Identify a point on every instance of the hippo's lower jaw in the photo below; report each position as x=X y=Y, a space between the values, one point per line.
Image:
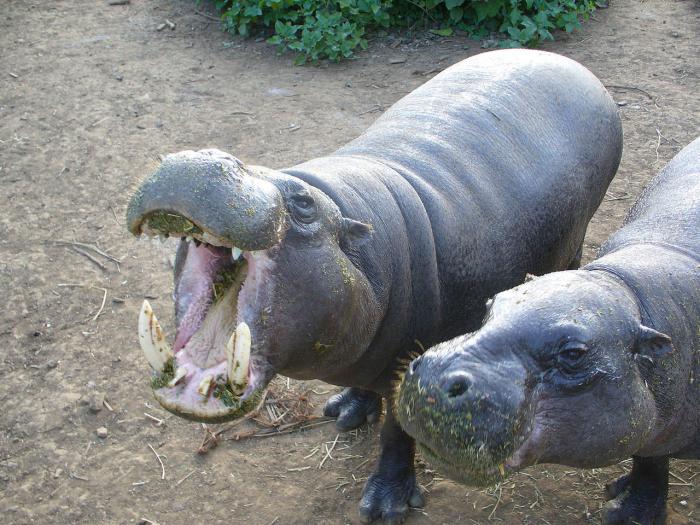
x=465 y=473
x=477 y=468
x=210 y=375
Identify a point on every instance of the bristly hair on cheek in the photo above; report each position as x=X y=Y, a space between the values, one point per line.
x=400 y=368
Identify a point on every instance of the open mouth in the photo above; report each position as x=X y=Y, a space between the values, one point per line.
x=208 y=374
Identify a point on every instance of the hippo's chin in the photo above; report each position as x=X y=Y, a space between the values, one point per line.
x=210 y=375
x=220 y=405
x=472 y=473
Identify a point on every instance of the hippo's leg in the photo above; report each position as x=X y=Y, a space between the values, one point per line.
x=392 y=488
x=352 y=407
x=575 y=263
x=640 y=496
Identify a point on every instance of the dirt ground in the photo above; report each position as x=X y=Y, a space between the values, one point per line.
x=90 y=96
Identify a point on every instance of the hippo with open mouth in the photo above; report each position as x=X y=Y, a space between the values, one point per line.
x=337 y=268
x=583 y=368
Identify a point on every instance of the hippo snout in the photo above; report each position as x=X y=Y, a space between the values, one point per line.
x=210 y=195
x=465 y=413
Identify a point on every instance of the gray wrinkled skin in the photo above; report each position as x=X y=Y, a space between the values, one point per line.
x=489 y=171
x=582 y=368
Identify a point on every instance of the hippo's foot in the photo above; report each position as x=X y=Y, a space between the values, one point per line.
x=387 y=498
x=639 y=498
x=392 y=488
x=352 y=407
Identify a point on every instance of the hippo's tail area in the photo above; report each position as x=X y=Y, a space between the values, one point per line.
x=668 y=210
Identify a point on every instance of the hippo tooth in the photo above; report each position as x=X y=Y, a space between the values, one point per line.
x=236 y=253
x=180 y=374
x=241 y=357
x=211 y=239
x=152 y=339
x=229 y=355
x=205 y=386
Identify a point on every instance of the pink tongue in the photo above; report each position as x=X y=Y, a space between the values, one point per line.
x=193 y=290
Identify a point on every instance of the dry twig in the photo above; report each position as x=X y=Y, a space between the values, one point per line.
x=77 y=285
x=162 y=467
x=159 y=422
x=90 y=257
x=183 y=479
x=328 y=452
x=207 y=15
x=87 y=246
x=629 y=88
x=104 y=299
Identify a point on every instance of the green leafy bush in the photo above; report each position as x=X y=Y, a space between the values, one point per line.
x=333 y=29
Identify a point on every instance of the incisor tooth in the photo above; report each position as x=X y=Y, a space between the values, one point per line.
x=241 y=358
x=205 y=386
x=180 y=374
x=152 y=339
x=236 y=253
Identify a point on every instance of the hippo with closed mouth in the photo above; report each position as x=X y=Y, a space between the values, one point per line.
x=583 y=368
x=336 y=268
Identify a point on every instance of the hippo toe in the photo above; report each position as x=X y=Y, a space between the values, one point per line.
x=353 y=407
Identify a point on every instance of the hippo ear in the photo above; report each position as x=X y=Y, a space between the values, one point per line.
x=355 y=233
x=653 y=344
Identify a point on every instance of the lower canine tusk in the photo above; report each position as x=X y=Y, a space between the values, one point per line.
x=152 y=339
x=238 y=376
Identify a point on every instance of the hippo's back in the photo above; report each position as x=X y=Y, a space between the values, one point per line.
x=668 y=210
x=499 y=128
x=494 y=167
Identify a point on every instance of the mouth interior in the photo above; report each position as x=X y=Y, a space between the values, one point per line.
x=208 y=375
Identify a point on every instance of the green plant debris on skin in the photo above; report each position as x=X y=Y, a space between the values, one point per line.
x=348 y=277
x=225 y=394
x=162 y=379
x=471 y=463
x=321 y=349
x=334 y=29
x=172 y=223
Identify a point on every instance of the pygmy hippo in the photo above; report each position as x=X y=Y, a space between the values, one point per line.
x=583 y=368
x=334 y=268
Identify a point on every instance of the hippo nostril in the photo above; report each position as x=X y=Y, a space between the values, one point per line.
x=413 y=367
x=458 y=388
x=457 y=385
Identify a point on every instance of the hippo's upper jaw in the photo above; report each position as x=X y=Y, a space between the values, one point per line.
x=240 y=290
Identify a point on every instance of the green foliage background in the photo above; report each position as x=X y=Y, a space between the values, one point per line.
x=334 y=29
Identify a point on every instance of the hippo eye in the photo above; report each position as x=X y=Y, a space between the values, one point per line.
x=303 y=208
x=571 y=354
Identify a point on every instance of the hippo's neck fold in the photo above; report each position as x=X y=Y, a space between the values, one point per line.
x=658 y=276
x=399 y=260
